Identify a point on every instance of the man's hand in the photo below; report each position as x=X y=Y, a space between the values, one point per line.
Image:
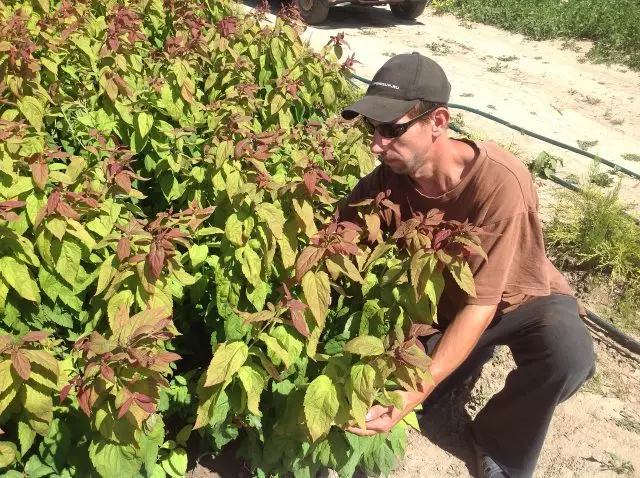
x=381 y=419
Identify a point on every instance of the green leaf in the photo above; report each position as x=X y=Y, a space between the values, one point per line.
x=112 y=460
x=320 y=406
x=411 y=419
x=68 y=260
x=143 y=123
x=463 y=276
x=26 y=436
x=8 y=453
x=36 y=469
x=150 y=444
x=328 y=94
x=198 y=253
x=253 y=382
x=19 y=278
x=176 y=463
x=317 y=293
x=276 y=349
x=226 y=361
x=365 y=345
x=273 y=216
x=233 y=230
x=251 y=265
x=33 y=110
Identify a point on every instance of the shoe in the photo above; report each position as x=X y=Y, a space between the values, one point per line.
x=486 y=467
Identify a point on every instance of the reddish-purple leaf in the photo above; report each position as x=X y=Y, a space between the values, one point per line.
x=124 y=248
x=124 y=181
x=35 y=336
x=300 y=324
x=308 y=258
x=65 y=391
x=125 y=407
x=40 y=173
x=52 y=202
x=67 y=211
x=107 y=372
x=21 y=364
x=155 y=259
x=422 y=330
x=84 y=396
x=167 y=357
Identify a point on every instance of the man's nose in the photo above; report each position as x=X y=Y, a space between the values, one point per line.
x=376 y=143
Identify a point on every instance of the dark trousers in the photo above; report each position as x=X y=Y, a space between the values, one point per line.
x=554 y=355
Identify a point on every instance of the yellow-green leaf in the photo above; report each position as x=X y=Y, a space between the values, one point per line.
x=273 y=217
x=253 y=383
x=317 y=293
x=33 y=110
x=226 y=361
x=365 y=345
x=144 y=123
x=17 y=275
x=320 y=406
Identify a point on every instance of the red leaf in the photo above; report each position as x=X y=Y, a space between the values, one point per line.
x=422 y=330
x=107 y=372
x=308 y=258
x=65 y=391
x=83 y=400
x=125 y=407
x=310 y=179
x=167 y=357
x=124 y=248
x=300 y=324
x=155 y=259
x=67 y=211
x=52 y=202
x=21 y=364
x=35 y=336
x=145 y=402
x=40 y=173
x=124 y=181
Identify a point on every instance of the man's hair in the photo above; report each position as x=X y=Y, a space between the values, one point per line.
x=422 y=107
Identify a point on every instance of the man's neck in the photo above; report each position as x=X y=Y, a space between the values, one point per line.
x=452 y=161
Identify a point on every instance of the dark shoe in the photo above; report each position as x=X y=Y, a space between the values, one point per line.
x=486 y=467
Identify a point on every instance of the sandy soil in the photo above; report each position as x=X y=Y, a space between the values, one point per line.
x=548 y=88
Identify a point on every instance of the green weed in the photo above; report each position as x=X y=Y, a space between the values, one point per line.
x=631 y=157
x=611 y=24
x=507 y=58
x=586 y=144
x=627 y=422
x=615 y=464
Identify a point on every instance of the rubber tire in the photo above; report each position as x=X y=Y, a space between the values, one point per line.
x=316 y=14
x=408 y=10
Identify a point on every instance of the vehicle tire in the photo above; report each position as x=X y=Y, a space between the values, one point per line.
x=313 y=11
x=408 y=10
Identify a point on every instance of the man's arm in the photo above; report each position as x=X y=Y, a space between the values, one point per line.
x=456 y=344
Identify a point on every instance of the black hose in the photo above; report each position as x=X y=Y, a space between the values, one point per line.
x=520 y=129
x=615 y=333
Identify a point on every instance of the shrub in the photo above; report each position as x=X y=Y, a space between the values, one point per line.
x=171 y=271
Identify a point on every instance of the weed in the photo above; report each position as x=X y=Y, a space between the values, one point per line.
x=601 y=179
x=595 y=385
x=627 y=422
x=458 y=120
x=590 y=231
x=389 y=53
x=537 y=58
x=439 y=48
x=466 y=95
x=572 y=91
x=586 y=144
x=570 y=45
x=497 y=68
x=617 y=121
x=507 y=58
x=544 y=165
x=491 y=107
x=591 y=100
x=614 y=463
x=611 y=25
x=572 y=178
x=631 y=157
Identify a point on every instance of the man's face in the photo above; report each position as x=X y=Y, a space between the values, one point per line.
x=406 y=153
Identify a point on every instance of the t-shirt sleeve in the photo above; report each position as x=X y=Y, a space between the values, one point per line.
x=515 y=248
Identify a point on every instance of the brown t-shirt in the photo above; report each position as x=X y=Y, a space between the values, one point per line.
x=499 y=196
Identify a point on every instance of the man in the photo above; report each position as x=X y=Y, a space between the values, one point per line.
x=522 y=300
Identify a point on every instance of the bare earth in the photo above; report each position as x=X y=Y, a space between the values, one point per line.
x=545 y=87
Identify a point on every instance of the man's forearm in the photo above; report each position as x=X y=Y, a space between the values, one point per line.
x=459 y=339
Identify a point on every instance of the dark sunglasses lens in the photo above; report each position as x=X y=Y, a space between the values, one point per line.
x=390 y=130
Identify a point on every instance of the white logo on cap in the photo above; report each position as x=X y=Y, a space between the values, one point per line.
x=380 y=83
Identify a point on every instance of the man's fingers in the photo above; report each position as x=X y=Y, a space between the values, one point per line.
x=361 y=432
x=376 y=412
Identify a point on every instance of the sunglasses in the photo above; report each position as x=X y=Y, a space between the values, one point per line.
x=393 y=130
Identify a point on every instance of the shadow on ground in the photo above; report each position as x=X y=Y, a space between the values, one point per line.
x=350 y=16
x=445 y=424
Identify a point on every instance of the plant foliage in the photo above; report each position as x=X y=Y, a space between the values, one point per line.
x=171 y=271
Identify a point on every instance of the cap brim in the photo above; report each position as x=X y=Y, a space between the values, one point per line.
x=379 y=108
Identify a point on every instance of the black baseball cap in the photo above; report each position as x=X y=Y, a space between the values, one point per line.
x=399 y=85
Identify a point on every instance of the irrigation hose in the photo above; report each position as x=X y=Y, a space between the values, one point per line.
x=527 y=132
x=609 y=329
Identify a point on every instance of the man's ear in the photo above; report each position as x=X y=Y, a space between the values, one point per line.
x=440 y=121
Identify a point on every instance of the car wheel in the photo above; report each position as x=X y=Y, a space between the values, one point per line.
x=408 y=10
x=313 y=11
